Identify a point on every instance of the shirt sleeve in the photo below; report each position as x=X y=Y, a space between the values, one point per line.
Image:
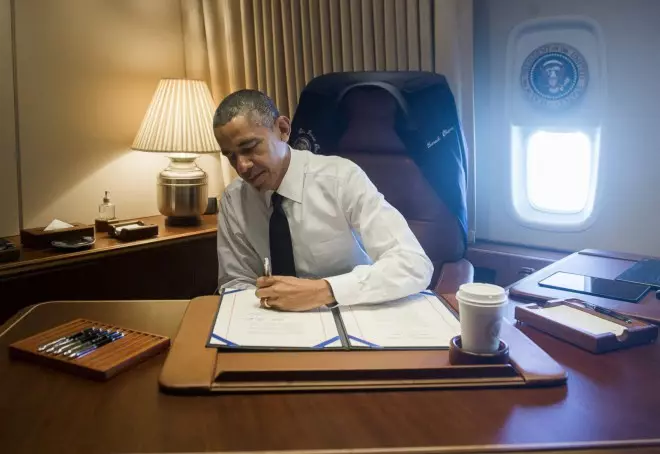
x=237 y=260
x=400 y=266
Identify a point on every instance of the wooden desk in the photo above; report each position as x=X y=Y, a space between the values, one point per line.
x=181 y=262
x=611 y=401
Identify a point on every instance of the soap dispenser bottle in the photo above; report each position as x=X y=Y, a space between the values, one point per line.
x=106 y=209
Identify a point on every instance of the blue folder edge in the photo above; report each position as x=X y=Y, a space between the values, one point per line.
x=212 y=335
x=367 y=343
x=323 y=344
x=228 y=343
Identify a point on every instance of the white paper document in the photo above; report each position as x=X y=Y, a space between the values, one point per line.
x=241 y=322
x=420 y=320
x=578 y=319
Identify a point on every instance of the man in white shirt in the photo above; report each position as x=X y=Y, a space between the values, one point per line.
x=331 y=236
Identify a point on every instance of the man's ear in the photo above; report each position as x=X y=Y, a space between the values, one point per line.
x=283 y=127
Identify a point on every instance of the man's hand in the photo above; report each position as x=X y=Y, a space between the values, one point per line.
x=287 y=293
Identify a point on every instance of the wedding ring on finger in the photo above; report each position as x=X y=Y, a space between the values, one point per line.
x=264 y=302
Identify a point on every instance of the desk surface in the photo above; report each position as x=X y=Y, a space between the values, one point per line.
x=611 y=398
x=39 y=258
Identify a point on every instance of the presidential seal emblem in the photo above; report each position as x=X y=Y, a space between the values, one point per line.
x=306 y=141
x=554 y=76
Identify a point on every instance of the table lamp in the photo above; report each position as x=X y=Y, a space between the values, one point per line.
x=179 y=122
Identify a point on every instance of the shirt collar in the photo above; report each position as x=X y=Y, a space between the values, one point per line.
x=291 y=186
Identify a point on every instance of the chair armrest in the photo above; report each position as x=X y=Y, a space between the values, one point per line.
x=452 y=275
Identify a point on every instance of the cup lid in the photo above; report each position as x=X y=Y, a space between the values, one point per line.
x=482 y=294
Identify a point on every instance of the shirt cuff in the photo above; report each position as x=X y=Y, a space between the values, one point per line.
x=344 y=287
x=237 y=284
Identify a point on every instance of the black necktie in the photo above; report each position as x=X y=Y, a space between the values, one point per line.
x=281 y=248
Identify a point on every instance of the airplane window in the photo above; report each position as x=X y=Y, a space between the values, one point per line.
x=558 y=176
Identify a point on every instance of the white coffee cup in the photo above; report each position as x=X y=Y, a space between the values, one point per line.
x=481 y=310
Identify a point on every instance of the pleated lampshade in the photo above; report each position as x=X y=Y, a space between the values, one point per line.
x=179 y=119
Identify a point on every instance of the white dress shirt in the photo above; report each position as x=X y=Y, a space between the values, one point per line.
x=342 y=229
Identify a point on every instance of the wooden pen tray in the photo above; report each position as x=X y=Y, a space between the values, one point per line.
x=101 y=364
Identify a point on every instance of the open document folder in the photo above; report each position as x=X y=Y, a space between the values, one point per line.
x=419 y=321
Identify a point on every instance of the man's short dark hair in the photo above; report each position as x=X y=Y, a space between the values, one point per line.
x=257 y=106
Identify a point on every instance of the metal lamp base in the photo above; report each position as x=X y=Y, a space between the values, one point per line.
x=182 y=191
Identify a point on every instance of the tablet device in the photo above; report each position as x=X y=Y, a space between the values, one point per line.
x=606 y=288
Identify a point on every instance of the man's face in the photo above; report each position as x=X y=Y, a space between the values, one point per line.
x=258 y=153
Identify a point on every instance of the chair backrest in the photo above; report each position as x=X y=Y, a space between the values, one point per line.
x=402 y=128
x=370 y=139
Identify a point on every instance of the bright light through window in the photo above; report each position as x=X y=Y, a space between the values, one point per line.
x=558 y=171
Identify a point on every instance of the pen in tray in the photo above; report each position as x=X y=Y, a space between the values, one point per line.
x=62 y=343
x=80 y=343
x=60 y=348
x=111 y=337
x=593 y=307
x=79 y=346
x=607 y=312
x=64 y=339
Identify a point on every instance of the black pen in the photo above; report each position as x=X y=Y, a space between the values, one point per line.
x=110 y=338
x=101 y=334
x=62 y=342
x=83 y=347
x=67 y=345
x=63 y=339
x=608 y=312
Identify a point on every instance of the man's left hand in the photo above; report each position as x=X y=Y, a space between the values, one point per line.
x=286 y=293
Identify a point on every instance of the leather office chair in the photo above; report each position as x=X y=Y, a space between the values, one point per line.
x=370 y=123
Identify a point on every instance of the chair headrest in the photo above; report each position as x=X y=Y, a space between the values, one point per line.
x=369 y=104
x=370 y=115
